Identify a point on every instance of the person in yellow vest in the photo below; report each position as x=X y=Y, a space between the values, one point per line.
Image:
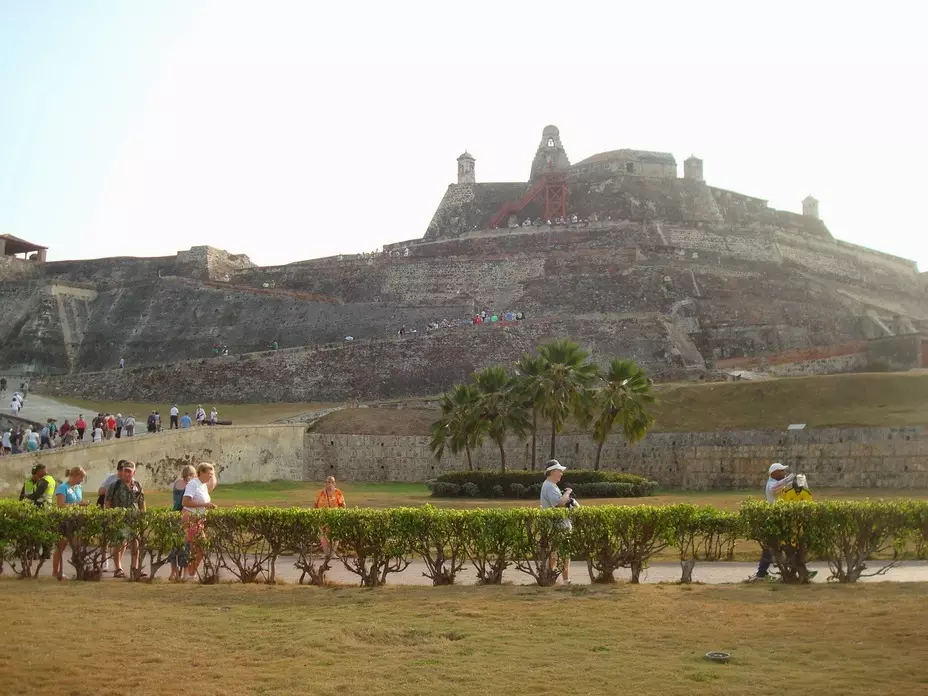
x=780 y=486
x=39 y=488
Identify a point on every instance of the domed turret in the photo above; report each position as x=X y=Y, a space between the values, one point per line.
x=466 y=174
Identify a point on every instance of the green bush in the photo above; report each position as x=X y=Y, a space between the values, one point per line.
x=524 y=484
x=373 y=543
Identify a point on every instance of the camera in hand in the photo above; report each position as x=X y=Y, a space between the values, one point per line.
x=572 y=502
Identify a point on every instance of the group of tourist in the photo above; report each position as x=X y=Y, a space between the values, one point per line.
x=190 y=496
x=102 y=427
x=485 y=316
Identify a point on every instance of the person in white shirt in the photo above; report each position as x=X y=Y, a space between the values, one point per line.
x=201 y=415
x=15 y=406
x=6 y=445
x=98 y=434
x=777 y=481
x=129 y=425
x=174 y=413
x=196 y=502
x=213 y=416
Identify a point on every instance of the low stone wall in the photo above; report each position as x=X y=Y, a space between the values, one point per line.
x=240 y=453
x=832 y=457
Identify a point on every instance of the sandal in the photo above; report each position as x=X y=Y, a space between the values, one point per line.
x=119 y=573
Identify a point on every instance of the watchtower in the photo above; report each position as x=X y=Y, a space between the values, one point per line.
x=692 y=168
x=810 y=207
x=466 y=173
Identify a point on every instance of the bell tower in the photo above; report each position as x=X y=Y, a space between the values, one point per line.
x=550 y=156
x=466 y=173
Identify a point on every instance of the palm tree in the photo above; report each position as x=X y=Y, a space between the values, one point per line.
x=567 y=373
x=459 y=427
x=623 y=399
x=531 y=385
x=501 y=408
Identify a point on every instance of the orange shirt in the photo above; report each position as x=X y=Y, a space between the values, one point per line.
x=335 y=500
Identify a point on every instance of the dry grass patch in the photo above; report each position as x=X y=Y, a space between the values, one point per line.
x=120 y=638
x=822 y=401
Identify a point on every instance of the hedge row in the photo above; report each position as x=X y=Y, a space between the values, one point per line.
x=526 y=484
x=443 y=489
x=372 y=543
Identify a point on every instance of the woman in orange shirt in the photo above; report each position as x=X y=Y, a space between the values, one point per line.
x=330 y=496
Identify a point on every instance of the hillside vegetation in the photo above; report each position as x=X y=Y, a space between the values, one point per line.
x=878 y=399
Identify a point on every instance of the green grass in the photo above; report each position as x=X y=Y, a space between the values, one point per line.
x=240 y=414
x=879 y=399
x=303 y=494
x=114 y=638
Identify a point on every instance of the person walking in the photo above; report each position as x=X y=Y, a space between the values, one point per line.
x=120 y=424
x=180 y=558
x=330 y=496
x=68 y=492
x=39 y=487
x=196 y=502
x=552 y=497
x=126 y=493
x=130 y=425
x=80 y=425
x=778 y=482
x=174 y=413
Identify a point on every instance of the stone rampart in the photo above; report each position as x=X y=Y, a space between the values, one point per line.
x=420 y=365
x=240 y=453
x=831 y=457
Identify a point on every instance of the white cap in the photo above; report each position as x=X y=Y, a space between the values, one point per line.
x=554 y=465
x=777 y=467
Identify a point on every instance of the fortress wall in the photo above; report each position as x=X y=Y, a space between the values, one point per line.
x=16 y=269
x=422 y=365
x=175 y=319
x=831 y=457
x=240 y=453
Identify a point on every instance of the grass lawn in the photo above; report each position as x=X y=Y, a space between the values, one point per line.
x=303 y=493
x=235 y=640
x=878 y=399
x=240 y=414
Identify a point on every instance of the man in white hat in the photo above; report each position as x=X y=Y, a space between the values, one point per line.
x=777 y=481
x=551 y=497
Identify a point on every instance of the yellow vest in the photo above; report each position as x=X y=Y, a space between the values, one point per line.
x=49 y=494
x=792 y=494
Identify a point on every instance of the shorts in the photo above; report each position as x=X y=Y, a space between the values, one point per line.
x=194 y=526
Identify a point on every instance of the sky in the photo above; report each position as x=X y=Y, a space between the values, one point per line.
x=294 y=130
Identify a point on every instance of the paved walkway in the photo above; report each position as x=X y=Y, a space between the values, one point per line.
x=708 y=573
x=41 y=408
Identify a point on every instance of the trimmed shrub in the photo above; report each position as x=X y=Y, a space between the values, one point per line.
x=497 y=491
x=442 y=489
x=517 y=490
x=471 y=490
x=372 y=543
x=486 y=480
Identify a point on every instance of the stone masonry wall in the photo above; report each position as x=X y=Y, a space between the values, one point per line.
x=240 y=453
x=831 y=457
x=421 y=365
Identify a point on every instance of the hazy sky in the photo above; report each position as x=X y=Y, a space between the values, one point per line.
x=291 y=130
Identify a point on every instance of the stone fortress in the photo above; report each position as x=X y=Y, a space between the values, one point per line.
x=684 y=277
